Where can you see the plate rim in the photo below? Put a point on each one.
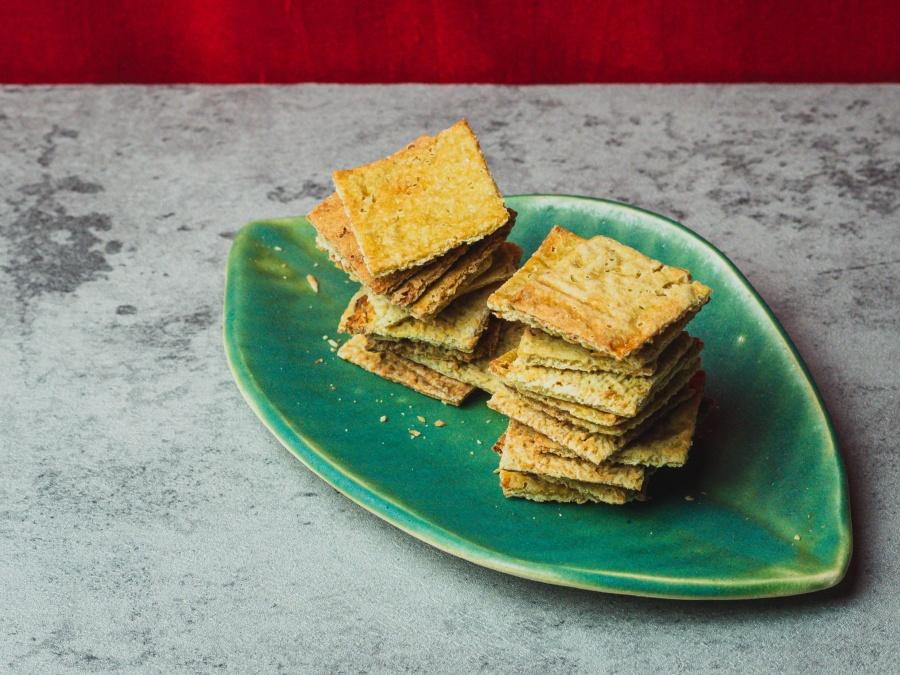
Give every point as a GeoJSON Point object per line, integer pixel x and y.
{"type": "Point", "coordinates": [644, 585]}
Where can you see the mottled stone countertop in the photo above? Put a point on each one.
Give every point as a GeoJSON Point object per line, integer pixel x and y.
{"type": "Point", "coordinates": [148, 521]}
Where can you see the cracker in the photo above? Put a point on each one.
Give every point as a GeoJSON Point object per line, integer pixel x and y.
{"type": "Point", "coordinates": [422, 201]}
{"type": "Point", "coordinates": [668, 441]}
{"type": "Point", "coordinates": [334, 236]}
{"type": "Point", "coordinates": [622, 395]}
{"type": "Point", "coordinates": [475, 373]}
{"type": "Point", "coordinates": [459, 327]}
{"type": "Point", "coordinates": [537, 489]}
{"type": "Point", "coordinates": [474, 262]}
{"type": "Point", "coordinates": [503, 266]}
{"type": "Point", "coordinates": [410, 290]}
{"type": "Point", "coordinates": [487, 346]}
{"type": "Point", "coordinates": [600, 294]}
{"type": "Point", "coordinates": [528, 451]}
{"type": "Point", "coordinates": [675, 391]}
{"type": "Point", "coordinates": [542, 349]}
{"type": "Point", "coordinates": [664, 439]}
{"type": "Point", "coordinates": [575, 442]}
{"type": "Point", "coordinates": [397, 369]}
{"type": "Point", "coordinates": [558, 242]}
{"type": "Point", "coordinates": [593, 447]}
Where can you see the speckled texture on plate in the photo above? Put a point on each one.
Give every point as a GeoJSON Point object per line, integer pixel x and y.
{"type": "Point", "coordinates": [149, 522]}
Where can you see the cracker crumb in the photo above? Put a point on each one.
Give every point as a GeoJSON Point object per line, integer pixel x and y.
{"type": "Point", "coordinates": [413, 433]}
{"type": "Point", "coordinates": [420, 418]}
{"type": "Point", "coordinates": [796, 537]}
{"type": "Point", "coordinates": [319, 360]}
{"type": "Point", "coordinates": [277, 248]}
{"type": "Point", "coordinates": [439, 423]}
{"type": "Point", "coordinates": [313, 283]}
{"type": "Point", "coordinates": [478, 440]}
{"type": "Point", "coordinates": [382, 419]}
{"type": "Point", "coordinates": [688, 498]}
{"type": "Point", "coordinates": [332, 387]}
{"type": "Point", "coordinates": [324, 337]}
{"type": "Point", "coordinates": [333, 343]}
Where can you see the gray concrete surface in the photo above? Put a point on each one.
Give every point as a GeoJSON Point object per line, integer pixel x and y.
{"type": "Point", "coordinates": [148, 522]}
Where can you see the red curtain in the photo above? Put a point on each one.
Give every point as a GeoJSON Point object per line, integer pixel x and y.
{"type": "Point", "coordinates": [151, 41]}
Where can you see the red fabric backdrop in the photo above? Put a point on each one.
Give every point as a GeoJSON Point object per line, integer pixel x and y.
{"type": "Point", "coordinates": [150, 41]}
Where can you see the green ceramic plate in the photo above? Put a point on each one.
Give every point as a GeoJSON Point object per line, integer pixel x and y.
{"type": "Point", "coordinates": [761, 509]}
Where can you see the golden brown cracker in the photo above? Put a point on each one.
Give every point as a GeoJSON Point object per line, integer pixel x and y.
{"type": "Point", "coordinates": [413, 206]}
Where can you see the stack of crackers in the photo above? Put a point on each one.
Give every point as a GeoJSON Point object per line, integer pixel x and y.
{"type": "Point", "coordinates": [424, 231]}
{"type": "Point", "coordinates": [605, 383]}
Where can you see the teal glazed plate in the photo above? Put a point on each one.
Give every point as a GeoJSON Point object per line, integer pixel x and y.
{"type": "Point", "coordinates": [761, 509]}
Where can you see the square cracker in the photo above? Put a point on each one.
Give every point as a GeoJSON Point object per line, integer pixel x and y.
{"type": "Point", "coordinates": [408, 349]}
{"type": "Point", "coordinates": [474, 262]}
{"type": "Point", "coordinates": [665, 442]}
{"type": "Point", "coordinates": [528, 451]}
{"type": "Point", "coordinates": [574, 439]}
{"type": "Point", "coordinates": [622, 395]}
{"type": "Point", "coordinates": [420, 202]}
{"type": "Point", "coordinates": [397, 369]}
{"type": "Point", "coordinates": [600, 294]}
{"type": "Point", "coordinates": [334, 236]}
{"type": "Point", "coordinates": [421, 279]}
{"type": "Point", "coordinates": [673, 393]}
{"type": "Point", "coordinates": [458, 327]}
{"type": "Point", "coordinates": [476, 372]}
{"type": "Point", "coordinates": [668, 442]}
{"type": "Point", "coordinates": [594, 447]}
{"type": "Point", "coordinates": [542, 349]}
{"type": "Point", "coordinates": [503, 266]}
{"type": "Point", "coordinates": [540, 489]}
